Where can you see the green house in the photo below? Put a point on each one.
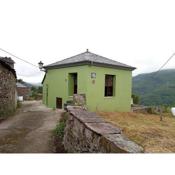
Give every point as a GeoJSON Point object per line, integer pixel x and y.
{"type": "Point", "coordinates": [106, 83]}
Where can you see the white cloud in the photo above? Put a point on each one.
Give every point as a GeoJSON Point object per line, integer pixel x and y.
{"type": "Point", "coordinates": [139, 33]}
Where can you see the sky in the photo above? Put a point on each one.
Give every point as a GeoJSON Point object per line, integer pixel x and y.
{"type": "Point", "coordinates": [140, 33]}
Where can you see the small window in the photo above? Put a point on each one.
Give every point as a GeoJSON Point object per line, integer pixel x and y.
{"type": "Point", "coordinates": [109, 85]}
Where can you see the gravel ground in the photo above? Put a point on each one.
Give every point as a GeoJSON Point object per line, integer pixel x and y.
{"type": "Point", "coordinates": [30, 130]}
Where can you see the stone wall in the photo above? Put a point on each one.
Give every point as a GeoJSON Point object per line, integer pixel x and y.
{"type": "Point", "coordinates": [7, 92]}
{"type": "Point", "coordinates": [86, 132]}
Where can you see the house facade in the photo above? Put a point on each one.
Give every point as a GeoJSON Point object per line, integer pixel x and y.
{"type": "Point", "coordinates": [8, 97]}
{"type": "Point", "coordinates": [105, 83]}
{"type": "Point", "coordinates": [23, 92]}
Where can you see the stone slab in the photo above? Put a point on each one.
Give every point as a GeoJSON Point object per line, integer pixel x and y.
{"type": "Point", "coordinates": [86, 117]}
{"type": "Point", "coordinates": [91, 120]}
{"type": "Point", "coordinates": [82, 113]}
{"type": "Point", "coordinates": [123, 143]}
{"type": "Point", "coordinates": [103, 128]}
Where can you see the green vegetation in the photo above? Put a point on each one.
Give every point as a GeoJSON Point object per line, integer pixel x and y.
{"type": "Point", "coordinates": [36, 93]}
{"type": "Point", "coordinates": [59, 134]}
{"type": "Point", "coordinates": [59, 130]}
{"type": "Point", "coordinates": [156, 89]}
{"type": "Point", "coordinates": [6, 114]}
{"type": "Point", "coordinates": [19, 104]}
{"type": "Point", "coordinates": [135, 98]}
{"type": "Point", "coordinates": [36, 90]}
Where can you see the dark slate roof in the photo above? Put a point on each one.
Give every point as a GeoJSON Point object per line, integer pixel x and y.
{"type": "Point", "coordinates": [8, 63]}
{"type": "Point", "coordinates": [88, 58]}
{"type": "Point", "coordinates": [20, 85]}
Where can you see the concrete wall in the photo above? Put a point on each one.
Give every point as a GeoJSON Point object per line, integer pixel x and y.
{"type": "Point", "coordinates": [58, 84]}
{"type": "Point", "coordinates": [87, 132]}
{"type": "Point", "coordinates": [93, 88]}
{"type": "Point", "coordinates": [7, 92]}
{"type": "Point", "coordinates": [96, 101]}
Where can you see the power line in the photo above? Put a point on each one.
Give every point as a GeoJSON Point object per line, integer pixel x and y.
{"type": "Point", "coordinates": [18, 57]}
{"type": "Point", "coordinates": [165, 63]}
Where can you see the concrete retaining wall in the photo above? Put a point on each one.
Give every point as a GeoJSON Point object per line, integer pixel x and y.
{"type": "Point", "coordinates": [86, 132]}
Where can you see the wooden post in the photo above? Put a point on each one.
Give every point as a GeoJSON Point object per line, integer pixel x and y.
{"type": "Point", "coordinates": [160, 113]}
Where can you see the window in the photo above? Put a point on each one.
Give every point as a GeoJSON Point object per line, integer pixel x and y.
{"type": "Point", "coordinates": [109, 85]}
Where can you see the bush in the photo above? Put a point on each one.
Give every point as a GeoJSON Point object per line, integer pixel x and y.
{"type": "Point", "coordinates": [64, 117]}
{"type": "Point", "coordinates": [151, 110]}
{"type": "Point", "coordinates": [36, 93]}
{"type": "Point", "coordinates": [59, 134]}
{"type": "Point", "coordinates": [136, 99]}
{"type": "Point", "coordinates": [59, 130]}
{"type": "Point", "coordinates": [19, 104]}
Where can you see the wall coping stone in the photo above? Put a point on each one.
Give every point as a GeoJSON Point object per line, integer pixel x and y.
{"type": "Point", "coordinates": [109, 132]}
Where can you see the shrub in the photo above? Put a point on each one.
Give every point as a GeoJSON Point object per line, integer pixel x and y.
{"type": "Point", "coordinates": [136, 99]}
{"type": "Point", "coordinates": [59, 130]}
{"type": "Point", "coordinates": [59, 134]}
{"type": "Point", "coordinates": [151, 110]}
{"type": "Point", "coordinates": [64, 117]}
{"type": "Point", "coordinates": [19, 104]}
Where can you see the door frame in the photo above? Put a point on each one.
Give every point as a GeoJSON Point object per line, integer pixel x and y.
{"type": "Point", "coordinates": [59, 103]}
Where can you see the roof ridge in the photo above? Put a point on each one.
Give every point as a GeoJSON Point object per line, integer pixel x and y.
{"type": "Point", "coordinates": [67, 58]}
{"type": "Point", "coordinates": [85, 57]}
{"type": "Point", "coordinates": [109, 59]}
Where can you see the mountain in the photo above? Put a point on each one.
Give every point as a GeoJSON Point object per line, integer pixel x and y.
{"type": "Point", "coordinates": [155, 88]}
{"type": "Point", "coordinates": [29, 84]}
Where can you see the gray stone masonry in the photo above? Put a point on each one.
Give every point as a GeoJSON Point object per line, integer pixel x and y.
{"type": "Point", "coordinates": [86, 132]}
{"type": "Point", "coordinates": [7, 92]}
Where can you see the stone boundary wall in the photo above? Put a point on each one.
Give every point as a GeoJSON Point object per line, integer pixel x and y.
{"type": "Point", "coordinates": [86, 132]}
{"type": "Point", "coordinates": [8, 100]}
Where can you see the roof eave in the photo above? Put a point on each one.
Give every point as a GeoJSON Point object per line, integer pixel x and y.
{"type": "Point", "coordinates": [89, 63]}
{"type": "Point", "coordinates": [114, 66]}
{"type": "Point", "coordinates": [43, 78]}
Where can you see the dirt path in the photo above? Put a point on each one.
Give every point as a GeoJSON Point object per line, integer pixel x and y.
{"type": "Point", "coordinates": [30, 130]}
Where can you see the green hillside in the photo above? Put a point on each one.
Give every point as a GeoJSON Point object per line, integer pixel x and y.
{"type": "Point", "coordinates": [155, 89]}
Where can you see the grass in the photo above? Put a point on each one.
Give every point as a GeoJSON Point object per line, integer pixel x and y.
{"type": "Point", "coordinates": [146, 129]}
{"type": "Point", "coordinates": [58, 133]}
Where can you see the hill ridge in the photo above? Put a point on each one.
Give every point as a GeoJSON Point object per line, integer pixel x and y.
{"type": "Point", "coordinates": [155, 89]}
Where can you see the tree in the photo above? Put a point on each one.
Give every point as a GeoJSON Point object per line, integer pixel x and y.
{"type": "Point", "coordinates": [136, 99]}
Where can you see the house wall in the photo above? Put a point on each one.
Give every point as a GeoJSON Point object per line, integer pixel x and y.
{"type": "Point", "coordinates": [57, 81]}
{"type": "Point", "coordinates": [121, 101]}
{"type": "Point", "coordinates": [23, 91]}
{"type": "Point", "coordinates": [7, 92]}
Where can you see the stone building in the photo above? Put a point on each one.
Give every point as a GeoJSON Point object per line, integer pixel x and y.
{"type": "Point", "coordinates": [23, 91]}
{"type": "Point", "coordinates": [8, 97]}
